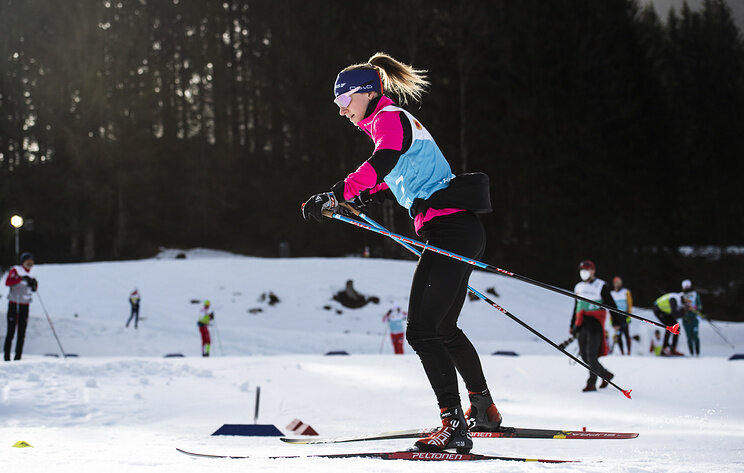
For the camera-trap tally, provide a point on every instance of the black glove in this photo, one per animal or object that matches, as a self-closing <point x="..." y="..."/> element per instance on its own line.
<point x="316" y="204"/>
<point x="32" y="282"/>
<point x="366" y="198"/>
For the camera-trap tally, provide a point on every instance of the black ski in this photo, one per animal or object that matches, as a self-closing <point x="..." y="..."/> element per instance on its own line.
<point x="505" y="432"/>
<point x="405" y="455"/>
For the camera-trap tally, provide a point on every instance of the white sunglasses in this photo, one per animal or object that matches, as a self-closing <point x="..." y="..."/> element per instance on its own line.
<point x="344" y="99"/>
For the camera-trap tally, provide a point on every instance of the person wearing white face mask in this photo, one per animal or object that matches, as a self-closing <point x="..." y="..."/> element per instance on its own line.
<point x="588" y="320"/>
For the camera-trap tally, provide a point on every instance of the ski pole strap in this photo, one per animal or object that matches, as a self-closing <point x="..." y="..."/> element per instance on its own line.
<point x="487" y="267"/>
<point x="491" y="303"/>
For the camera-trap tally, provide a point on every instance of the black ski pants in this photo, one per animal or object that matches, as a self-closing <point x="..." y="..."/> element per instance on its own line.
<point x="17" y="317"/>
<point x="437" y="295"/>
<point x="623" y="331"/>
<point x="133" y="315"/>
<point x="590" y="342"/>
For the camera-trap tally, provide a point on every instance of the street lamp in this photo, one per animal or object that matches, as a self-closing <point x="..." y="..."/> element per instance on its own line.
<point x="17" y="222"/>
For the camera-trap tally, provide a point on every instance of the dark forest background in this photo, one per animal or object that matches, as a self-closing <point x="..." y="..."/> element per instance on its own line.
<point x="609" y="133"/>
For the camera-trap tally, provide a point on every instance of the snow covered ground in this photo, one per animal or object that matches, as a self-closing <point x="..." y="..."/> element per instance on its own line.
<point x="121" y="406"/>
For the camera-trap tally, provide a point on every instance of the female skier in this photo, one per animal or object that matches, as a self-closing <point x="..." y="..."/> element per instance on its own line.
<point x="407" y="164"/>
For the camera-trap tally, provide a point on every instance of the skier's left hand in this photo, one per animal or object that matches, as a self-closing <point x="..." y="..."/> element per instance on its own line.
<point x="315" y="205"/>
<point x="367" y="197"/>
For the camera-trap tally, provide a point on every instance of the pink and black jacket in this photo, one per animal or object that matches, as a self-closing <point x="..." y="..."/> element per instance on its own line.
<point x="406" y="161"/>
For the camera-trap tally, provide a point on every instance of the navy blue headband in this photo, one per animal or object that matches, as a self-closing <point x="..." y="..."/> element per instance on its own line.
<point x="367" y="79"/>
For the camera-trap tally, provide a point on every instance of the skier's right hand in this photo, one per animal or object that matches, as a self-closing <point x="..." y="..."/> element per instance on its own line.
<point x="315" y="205"/>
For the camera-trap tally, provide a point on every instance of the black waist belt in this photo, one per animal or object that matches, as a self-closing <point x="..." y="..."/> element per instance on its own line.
<point x="471" y="191"/>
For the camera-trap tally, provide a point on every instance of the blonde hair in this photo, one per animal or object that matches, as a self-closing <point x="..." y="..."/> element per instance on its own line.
<point x="397" y="78"/>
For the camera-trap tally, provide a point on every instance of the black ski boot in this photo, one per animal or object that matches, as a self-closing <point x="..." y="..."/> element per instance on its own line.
<point x="483" y="415"/>
<point x="453" y="434"/>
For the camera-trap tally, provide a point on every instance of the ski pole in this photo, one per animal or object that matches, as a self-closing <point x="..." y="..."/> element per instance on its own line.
<point x="219" y="340"/>
<point x="384" y="336"/>
<point x="545" y="339"/>
<point x="715" y="329"/>
<point x="485" y="266"/>
<point x="51" y="325"/>
<point x="258" y="399"/>
<point x="496" y="306"/>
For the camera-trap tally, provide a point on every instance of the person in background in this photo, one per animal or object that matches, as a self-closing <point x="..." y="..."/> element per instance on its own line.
<point x="134" y="302"/>
<point x="690" y="320"/>
<point x="624" y="301"/>
<point x="589" y="320"/>
<point x="656" y="345"/>
<point x="395" y="318"/>
<point x="407" y="165"/>
<point x="351" y="298"/>
<point x="668" y="308"/>
<point x="22" y="284"/>
<point x="206" y="315"/>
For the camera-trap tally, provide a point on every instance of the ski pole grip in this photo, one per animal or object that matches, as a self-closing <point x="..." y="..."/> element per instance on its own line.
<point x="673" y="328"/>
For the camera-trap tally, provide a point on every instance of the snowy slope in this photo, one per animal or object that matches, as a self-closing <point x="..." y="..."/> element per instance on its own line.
<point x="121" y="406"/>
<point x="89" y="306"/>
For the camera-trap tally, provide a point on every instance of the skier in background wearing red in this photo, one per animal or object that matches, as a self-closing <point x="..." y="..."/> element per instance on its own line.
<point x="206" y="315"/>
<point x="395" y="318"/>
<point x="22" y="284"/>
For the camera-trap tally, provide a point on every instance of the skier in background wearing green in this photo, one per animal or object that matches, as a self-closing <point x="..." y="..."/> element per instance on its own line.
<point x="206" y="315"/>
<point x="668" y="308"/>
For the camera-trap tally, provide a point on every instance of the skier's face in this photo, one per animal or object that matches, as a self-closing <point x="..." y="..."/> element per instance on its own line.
<point x="357" y="106"/>
<point x="586" y="274"/>
<point x="28" y="263"/>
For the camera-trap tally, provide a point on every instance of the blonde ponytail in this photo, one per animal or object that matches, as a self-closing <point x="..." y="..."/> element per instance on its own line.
<point x="397" y="78"/>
